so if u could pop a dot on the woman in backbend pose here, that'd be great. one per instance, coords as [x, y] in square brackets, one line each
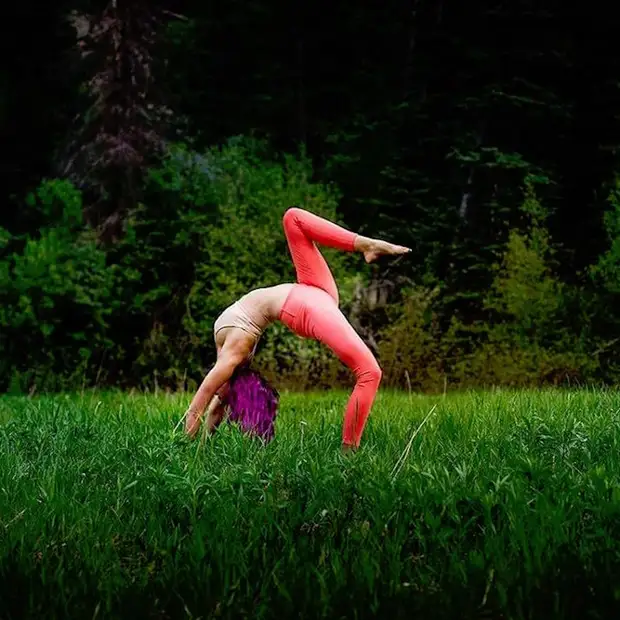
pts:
[309, 308]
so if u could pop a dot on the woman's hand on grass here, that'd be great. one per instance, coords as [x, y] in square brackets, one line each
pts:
[192, 423]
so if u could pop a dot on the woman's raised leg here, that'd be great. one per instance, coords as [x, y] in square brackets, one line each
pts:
[303, 231]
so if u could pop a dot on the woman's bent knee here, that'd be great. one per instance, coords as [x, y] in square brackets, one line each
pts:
[290, 215]
[370, 374]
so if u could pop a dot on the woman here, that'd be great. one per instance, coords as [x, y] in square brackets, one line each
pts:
[309, 308]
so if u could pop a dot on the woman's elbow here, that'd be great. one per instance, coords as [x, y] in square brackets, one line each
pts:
[229, 362]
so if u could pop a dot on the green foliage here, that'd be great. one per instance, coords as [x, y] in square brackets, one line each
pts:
[525, 340]
[57, 203]
[410, 345]
[54, 296]
[524, 290]
[524, 337]
[5, 238]
[604, 291]
[607, 269]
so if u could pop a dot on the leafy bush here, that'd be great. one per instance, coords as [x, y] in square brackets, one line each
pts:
[410, 345]
[606, 272]
[525, 339]
[524, 335]
[54, 296]
[604, 295]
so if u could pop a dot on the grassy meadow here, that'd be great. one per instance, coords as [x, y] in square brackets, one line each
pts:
[477, 505]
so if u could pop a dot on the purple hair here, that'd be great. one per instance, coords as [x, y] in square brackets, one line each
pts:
[253, 403]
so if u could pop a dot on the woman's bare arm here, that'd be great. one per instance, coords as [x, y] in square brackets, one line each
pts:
[215, 379]
[234, 351]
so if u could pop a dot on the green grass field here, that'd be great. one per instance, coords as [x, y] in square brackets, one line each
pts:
[504, 505]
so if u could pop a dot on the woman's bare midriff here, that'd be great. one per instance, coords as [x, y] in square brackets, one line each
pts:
[264, 302]
[270, 300]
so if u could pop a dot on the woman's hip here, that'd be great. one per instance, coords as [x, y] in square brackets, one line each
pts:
[311, 313]
[307, 308]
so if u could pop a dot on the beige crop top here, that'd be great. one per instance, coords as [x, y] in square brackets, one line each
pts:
[245, 315]
[253, 312]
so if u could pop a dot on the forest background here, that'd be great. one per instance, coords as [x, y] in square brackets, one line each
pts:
[151, 149]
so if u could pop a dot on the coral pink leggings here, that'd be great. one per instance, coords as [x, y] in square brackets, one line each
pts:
[311, 311]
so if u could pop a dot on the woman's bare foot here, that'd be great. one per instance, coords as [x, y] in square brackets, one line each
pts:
[373, 248]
